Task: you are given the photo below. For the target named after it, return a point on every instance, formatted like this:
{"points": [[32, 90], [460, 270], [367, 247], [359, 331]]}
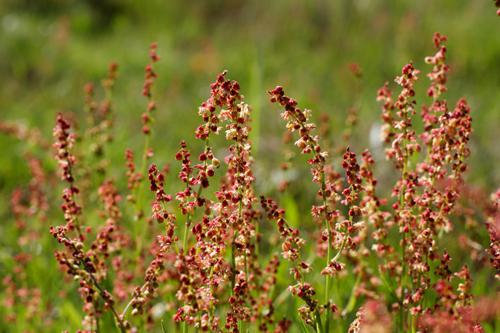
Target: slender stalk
{"points": [[403, 241], [185, 238], [138, 198], [119, 320], [97, 327], [233, 264], [319, 324], [327, 279]]}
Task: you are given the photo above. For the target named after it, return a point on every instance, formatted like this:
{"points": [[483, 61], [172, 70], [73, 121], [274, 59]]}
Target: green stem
{"points": [[319, 324], [233, 264], [185, 238], [138, 193], [328, 254], [327, 283]]}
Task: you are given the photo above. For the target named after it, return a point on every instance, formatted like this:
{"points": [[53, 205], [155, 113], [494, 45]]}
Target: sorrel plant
{"points": [[204, 252]]}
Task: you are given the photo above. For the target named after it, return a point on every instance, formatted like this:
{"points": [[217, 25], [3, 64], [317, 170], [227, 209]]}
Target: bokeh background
{"points": [[49, 49]]}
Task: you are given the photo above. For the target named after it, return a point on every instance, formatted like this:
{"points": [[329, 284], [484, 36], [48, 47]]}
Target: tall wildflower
{"points": [[144, 294], [428, 189], [335, 229], [76, 261], [228, 223], [136, 176]]}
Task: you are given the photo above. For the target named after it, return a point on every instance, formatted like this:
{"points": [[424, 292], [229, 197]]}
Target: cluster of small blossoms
{"points": [[325, 177], [291, 247], [24, 134], [109, 238], [145, 293], [63, 144], [227, 224], [336, 231], [187, 198], [16, 295], [373, 317], [264, 301], [346, 229], [439, 73], [208, 110], [27, 205], [149, 79], [236, 198], [398, 127], [353, 179], [31, 202], [399, 134], [292, 242], [157, 186], [427, 190], [37, 192], [100, 120], [371, 206], [134, 177], [75, 260], [443, 322], [201, 269]]}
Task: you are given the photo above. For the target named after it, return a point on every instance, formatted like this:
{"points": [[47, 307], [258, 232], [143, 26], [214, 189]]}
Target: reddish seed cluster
{"points": [[109, 238], [325, 177], [109, 81], [439, 74], [398, 127], [64, 142], [189, 198], [27, 207], [423, 205], [157, 180], [149, 79], [144, 294], [297, 120], [223, 93], [292, 243], [84, 266], [332, 235], [24, 134], [134, 177], [351, 193]]}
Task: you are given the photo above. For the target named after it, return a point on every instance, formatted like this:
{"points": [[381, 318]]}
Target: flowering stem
{"points": [[328, 254], [403, 242], [119, 320]]}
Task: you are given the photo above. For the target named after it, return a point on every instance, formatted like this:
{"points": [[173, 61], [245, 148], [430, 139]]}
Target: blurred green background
{"points": [[50, 49]]}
